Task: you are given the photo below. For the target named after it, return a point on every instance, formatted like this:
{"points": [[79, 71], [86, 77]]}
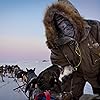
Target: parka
{"points": [[83, 54]]}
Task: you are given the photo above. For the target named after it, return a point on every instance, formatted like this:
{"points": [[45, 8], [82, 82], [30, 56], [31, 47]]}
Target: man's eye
{"points": [[62, 25]]}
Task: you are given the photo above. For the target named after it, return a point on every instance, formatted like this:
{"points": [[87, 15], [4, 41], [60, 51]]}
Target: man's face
{"points": [[63, 26]]}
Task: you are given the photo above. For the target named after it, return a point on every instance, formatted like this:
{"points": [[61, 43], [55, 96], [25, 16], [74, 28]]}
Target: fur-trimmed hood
{"points": [[70, 12]]}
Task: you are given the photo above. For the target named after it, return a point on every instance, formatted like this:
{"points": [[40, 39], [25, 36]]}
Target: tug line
{"points": [[20, 88], [4, 84]]}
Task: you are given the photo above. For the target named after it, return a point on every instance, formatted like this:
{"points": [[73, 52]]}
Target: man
{"points": [[74, 42]]}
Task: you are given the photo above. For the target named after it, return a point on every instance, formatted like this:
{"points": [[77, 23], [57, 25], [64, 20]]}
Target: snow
{"points": [[7, 92], [88, 89], [6, 88]]}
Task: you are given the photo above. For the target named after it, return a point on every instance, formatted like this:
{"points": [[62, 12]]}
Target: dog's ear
{"points": [[27, 69], [34, 69]]}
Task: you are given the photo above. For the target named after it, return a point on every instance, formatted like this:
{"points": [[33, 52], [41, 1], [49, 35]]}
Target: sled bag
{"points": [[44, 96]]}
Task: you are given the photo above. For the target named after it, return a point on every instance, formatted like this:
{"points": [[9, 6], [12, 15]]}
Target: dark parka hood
{"points": [[67, 10]]}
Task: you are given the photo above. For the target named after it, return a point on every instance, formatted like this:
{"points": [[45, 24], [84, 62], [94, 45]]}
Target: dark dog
{"points": [[31, 81], [49, 79]]}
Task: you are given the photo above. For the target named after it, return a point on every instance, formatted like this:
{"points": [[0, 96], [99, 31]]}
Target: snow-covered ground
{"points": [[6, 88], [7, 92]]}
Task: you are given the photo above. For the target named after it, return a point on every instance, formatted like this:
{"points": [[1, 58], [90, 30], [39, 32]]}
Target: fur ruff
{"points": [[68, 11]]}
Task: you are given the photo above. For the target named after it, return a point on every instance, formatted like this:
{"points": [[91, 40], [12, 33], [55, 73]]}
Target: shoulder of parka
{"points": [[95, 29]]}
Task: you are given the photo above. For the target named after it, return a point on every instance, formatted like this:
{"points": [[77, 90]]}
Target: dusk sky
{"points": [[22, 33]]}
